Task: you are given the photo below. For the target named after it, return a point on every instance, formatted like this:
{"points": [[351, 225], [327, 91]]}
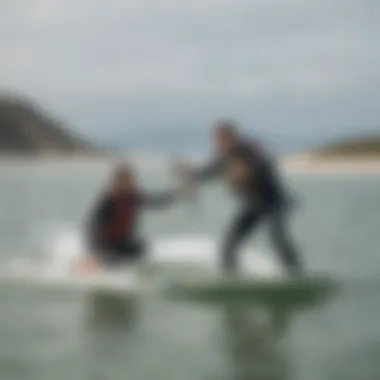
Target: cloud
{"points": [[114, 67]]}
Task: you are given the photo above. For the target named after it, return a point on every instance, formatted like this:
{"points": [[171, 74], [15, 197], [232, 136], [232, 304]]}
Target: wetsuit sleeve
{"points": [[157, 200], [264, 169], [210, 170]]}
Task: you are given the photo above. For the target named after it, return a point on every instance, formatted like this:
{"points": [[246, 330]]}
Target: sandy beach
{"points": [[294, 164], [307, 164]]}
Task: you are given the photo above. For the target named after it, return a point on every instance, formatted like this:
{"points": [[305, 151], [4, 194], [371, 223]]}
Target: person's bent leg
{"points": [[283, 243], [136, 249], [127, 252], [243, 224]]}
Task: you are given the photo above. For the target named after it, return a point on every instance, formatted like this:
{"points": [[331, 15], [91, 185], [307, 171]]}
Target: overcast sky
{"points": [[132, 72]]}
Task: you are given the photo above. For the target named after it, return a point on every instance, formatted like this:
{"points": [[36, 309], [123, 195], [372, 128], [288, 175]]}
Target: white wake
{"points": [[61, 246]]}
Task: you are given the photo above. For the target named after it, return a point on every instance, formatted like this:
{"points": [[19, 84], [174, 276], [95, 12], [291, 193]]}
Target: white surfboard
{"points": [[208, 287], [197, 251], [203, 253], [123, 282], [260, 278]]}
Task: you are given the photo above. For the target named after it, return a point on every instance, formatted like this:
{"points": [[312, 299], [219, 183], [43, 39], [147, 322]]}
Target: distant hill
{"points": [[27, 129], [351, 148]]}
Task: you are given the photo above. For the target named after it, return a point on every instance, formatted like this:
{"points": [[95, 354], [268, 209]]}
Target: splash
{"points": [[204, 251], [62, 244]]}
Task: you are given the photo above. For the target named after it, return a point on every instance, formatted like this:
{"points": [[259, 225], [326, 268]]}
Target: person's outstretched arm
{"points": [[210, 171]]}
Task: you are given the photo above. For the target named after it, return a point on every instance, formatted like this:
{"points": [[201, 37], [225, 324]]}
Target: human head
{"points": [[225, 135], [123, 179]]}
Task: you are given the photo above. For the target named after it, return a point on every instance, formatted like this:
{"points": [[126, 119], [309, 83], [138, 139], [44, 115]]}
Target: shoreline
{"points": [[306, 164], [298, 164]]}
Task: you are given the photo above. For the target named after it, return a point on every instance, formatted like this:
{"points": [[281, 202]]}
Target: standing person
{"points": [[254, 178], [113, 233]]}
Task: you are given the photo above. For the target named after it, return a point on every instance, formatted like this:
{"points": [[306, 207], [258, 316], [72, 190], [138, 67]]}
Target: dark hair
{"points": [[122, 169], [227, 126]]}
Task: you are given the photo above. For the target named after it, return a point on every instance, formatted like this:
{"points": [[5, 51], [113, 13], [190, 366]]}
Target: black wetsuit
{"points": [[113, 229], [263, 199]]}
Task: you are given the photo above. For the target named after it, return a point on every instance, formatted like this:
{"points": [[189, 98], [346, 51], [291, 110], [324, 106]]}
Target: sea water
{"points": [[67, 336]]}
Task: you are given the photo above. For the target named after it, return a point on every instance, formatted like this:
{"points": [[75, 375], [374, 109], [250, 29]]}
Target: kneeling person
{"points": [[113, 231]]}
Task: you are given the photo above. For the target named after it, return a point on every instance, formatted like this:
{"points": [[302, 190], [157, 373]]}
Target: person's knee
{"points": [[140, 245], [135, 245], [231, 244], [277, 235]]}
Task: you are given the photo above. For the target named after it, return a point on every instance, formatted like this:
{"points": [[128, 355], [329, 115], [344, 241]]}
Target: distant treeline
{"points": [[355, 147]]}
